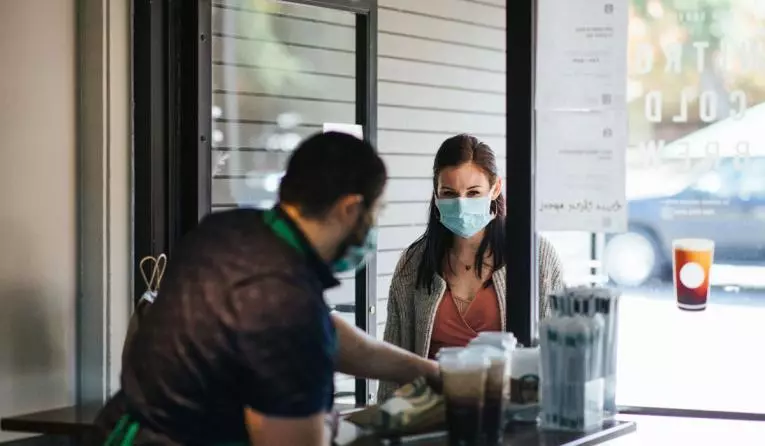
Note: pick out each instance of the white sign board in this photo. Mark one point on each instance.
(581, 119)
(581, 54)
(581, 169)
(351, 129)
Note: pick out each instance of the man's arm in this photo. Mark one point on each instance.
(274, 431)
(364, 356)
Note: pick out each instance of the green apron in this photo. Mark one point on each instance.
(126, 430)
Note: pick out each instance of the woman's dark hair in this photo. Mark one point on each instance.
(437, 240)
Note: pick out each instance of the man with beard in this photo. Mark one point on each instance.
(240, 346)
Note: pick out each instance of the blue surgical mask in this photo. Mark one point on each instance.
(465, 217)
(356, 255)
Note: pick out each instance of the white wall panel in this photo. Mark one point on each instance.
(398, 94)
(453, 10)
(440, 121)
(393, 141)
(412, 48)
(416, 166)
(392, 21)
(399, 214)
(408, 190)
(443, 75)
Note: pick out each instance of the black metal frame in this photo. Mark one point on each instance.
(150, 132)
(521, 240)
(171, 90)
(173, 103)
(366, 115)
(522, 313)
(189, 116)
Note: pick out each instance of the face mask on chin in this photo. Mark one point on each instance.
(355, 251)
(465, 217)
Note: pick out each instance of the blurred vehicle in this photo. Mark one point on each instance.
(711, 184)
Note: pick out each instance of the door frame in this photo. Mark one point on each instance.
(172, 69)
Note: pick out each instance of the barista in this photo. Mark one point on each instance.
(240, 346)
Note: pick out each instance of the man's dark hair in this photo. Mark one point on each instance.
(328, 166)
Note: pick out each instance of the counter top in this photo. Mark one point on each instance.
(78, 421)
(521, 435)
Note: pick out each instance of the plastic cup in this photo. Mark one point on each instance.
(497, 388)
(463, 375)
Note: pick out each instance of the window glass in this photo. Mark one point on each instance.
(696, 170)
(279, 72)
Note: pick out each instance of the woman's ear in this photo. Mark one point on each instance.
(497, 188)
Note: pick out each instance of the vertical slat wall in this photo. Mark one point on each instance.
(441, 72)
(276, 64)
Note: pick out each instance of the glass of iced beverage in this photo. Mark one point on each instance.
(691, 265)
(497, 381)
(463, 375)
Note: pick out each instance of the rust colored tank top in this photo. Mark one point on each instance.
(452, 329)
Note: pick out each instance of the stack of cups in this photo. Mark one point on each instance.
(497, 381)
(476, 389)
(506, 342)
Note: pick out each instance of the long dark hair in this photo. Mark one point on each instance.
(438, 240)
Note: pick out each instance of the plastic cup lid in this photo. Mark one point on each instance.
(502, 335)
(488, 351)
(448, 350)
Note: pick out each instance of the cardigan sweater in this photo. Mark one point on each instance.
(412, 310)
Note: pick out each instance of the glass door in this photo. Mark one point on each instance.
(280, 71)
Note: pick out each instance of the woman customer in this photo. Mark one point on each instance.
(449, 285)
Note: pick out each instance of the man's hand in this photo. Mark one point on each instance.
(434, 380)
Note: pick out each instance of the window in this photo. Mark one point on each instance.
(696, 170)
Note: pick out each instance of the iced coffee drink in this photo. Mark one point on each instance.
(497, 381)
(464, 382)
(504, 341)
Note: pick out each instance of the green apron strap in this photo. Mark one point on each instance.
(115, 433)
(282, 229)
(124, 432)
(131, 434)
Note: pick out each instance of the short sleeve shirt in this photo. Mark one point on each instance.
(240, 321)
